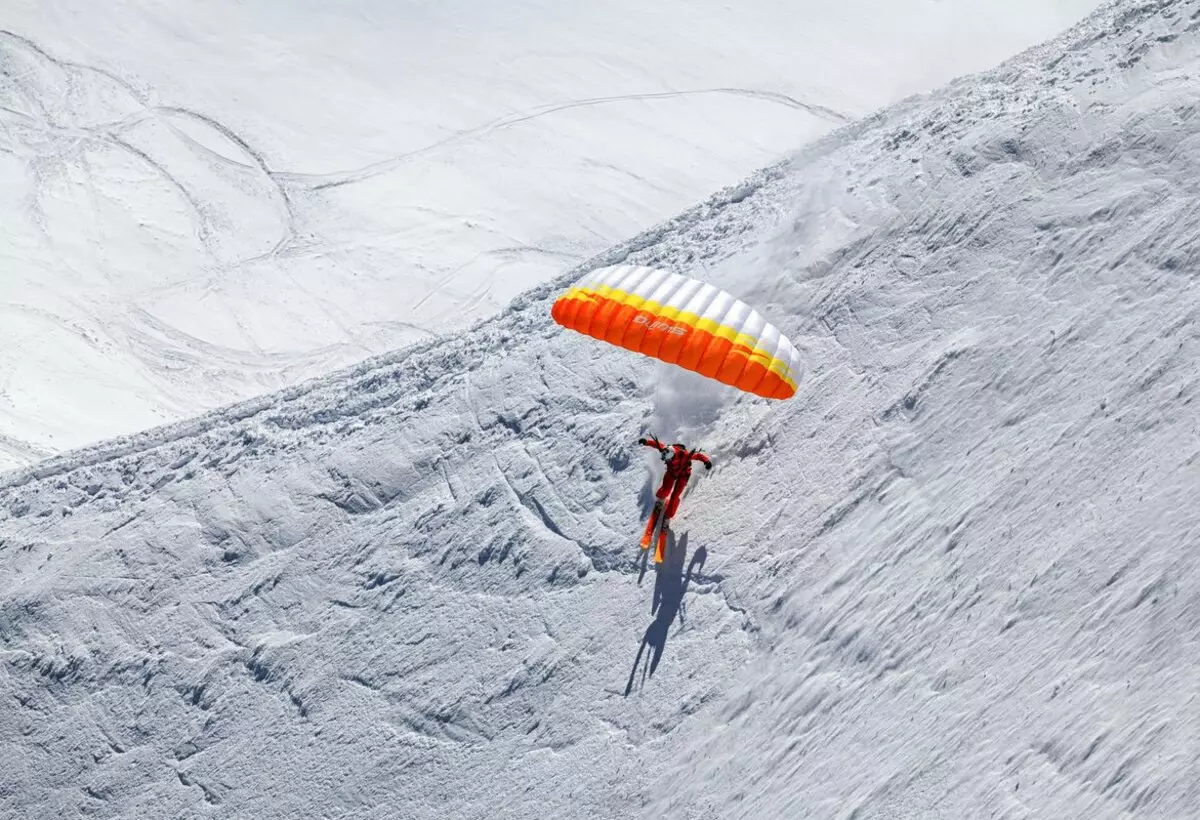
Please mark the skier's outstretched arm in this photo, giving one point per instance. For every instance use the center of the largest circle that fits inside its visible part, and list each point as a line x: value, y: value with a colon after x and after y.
x: 652, y: 442
x: 703, y: 459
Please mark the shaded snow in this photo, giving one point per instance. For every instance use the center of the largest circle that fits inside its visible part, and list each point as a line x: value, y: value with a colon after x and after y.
x: 954, y: 577
x: 206, y: 201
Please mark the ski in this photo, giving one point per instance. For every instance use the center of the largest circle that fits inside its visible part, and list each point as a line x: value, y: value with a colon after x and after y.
x: 660, y: 551
x: 648, y: 535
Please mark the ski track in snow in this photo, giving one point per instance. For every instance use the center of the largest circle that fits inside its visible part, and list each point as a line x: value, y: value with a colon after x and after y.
x: 108, y: 131
x: 336, y: 179
x: 954, y: 577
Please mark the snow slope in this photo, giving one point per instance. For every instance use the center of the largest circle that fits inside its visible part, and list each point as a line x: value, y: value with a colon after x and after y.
x: 205, y: 201
x: 955, y: 577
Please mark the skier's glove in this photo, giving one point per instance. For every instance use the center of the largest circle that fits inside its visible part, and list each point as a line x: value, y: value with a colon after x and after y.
x: 707, y: 466
x: 642, y: 442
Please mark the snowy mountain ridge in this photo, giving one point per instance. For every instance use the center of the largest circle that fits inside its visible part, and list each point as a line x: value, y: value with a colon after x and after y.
x: 953, y: 578
x: 213, y: 200
x: 1029, y: 62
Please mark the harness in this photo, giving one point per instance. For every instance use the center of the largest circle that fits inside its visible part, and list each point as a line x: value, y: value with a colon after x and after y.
x: 679, y: 461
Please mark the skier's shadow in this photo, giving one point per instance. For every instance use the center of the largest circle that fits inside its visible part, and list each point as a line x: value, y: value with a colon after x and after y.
x: 667, y: 604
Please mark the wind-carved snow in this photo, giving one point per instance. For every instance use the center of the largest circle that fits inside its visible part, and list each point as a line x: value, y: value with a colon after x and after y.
x: 952, y: 578
x: 215, y: 200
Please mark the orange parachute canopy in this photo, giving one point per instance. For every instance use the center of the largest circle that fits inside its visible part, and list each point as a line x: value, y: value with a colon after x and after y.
x: 683, y: 322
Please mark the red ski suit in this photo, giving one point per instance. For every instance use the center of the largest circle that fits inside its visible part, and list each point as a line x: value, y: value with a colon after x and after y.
x: 679, y: 469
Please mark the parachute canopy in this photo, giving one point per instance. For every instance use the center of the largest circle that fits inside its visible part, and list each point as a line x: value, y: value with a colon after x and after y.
x: 684, y: 322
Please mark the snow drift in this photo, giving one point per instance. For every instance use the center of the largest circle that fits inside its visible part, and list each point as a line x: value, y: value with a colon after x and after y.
x: 955, y: 577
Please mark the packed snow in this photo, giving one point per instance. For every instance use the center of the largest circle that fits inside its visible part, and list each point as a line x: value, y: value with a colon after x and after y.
x: 955, y: 577
x: 206, y: 201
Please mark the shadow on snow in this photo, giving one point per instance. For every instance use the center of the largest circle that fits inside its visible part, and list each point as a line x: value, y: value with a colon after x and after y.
x: 671, y: 582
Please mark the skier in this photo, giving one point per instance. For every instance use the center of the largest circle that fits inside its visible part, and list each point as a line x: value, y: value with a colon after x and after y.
x: 678, y: 459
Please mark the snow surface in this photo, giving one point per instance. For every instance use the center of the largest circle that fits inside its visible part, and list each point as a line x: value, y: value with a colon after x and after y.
x: 205, y: 201
x: 956, y: 577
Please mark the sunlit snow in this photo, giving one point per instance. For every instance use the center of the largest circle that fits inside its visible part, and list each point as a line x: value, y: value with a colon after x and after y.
x: 955, y: 577
x: 204, y: 201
